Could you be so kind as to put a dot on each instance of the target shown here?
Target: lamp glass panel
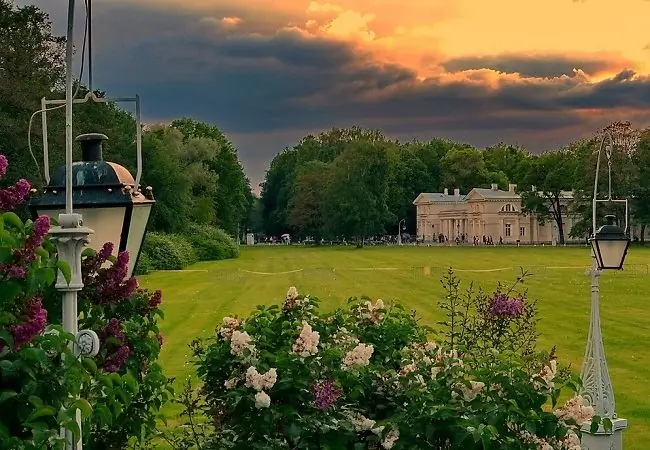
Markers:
(611, 253)
(106, 224)
(137, 229)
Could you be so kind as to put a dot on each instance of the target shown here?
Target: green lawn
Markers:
(195, 300)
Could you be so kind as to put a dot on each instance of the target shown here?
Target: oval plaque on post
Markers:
(87, 343)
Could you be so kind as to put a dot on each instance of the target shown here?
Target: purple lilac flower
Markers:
(108, 285)
(4, 163)
(13, 196)
(325, 394)
(155, 300)
(503, 306)
(34, 324)
(117, 360)
(113, 329)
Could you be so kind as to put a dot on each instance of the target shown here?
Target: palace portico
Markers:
(484, 212)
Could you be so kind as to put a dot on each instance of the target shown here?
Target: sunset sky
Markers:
(266, 72)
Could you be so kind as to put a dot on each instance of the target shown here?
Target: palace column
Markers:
(502, 230)
(517, 231)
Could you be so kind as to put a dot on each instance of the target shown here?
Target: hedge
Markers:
(211, 243)
(168, 251)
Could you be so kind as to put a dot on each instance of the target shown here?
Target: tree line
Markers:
(193, 168)
(355, 183)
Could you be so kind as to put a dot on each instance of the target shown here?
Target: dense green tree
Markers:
(31, 67)
(231, 198)
(641, 194)
(464, 168)
(307, 203)
(431, 154)
(550, 174)
(183, 185)
(513, 162)
(407, 178)
(355, 200)
(276, 192)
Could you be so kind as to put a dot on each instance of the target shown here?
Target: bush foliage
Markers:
(43, 384)
(211, 243)
(168, 251)
(368, 376)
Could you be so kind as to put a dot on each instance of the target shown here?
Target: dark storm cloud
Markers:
(543, 66)
(252, 80)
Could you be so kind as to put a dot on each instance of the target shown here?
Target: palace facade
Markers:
(485, 214)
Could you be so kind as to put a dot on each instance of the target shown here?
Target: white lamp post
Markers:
(106, 193)
(609, 246)
(399, 231)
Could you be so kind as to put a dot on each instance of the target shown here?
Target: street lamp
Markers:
(400, 227)
(104, 193)
(609, 245)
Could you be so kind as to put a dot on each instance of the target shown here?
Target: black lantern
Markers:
(104, 193)
(610, 245)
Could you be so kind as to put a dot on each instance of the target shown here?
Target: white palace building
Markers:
(484, 214)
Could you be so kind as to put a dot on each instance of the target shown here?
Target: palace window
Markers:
(509, 208)
(522, 231)
(507, 230)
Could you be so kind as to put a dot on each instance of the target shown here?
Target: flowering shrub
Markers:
(42, 382)
(125, 318)
(39, 375)
(368, 376)
(476, 321)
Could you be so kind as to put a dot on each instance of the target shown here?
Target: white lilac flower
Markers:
(389, 440)
(307, 342)
(262, 400)
(259, 381)
(575, 409)
(360, 422)
(239, 341)
(231, 383)
(358, 356)
(228, 326)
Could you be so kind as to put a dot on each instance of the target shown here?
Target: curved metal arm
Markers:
(91, 96)
(607, 135)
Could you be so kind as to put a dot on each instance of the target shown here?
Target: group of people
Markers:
(463, 238)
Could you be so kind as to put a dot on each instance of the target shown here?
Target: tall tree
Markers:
(307, 203)
(183, 185)
(512, 161)
(31, 67)
(276, 192)
(231, 199)
(355, 201)
(550, 174)
(407, 178)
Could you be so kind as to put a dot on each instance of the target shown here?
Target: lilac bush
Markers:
(39, 375)
(368, 376)
(42, 382)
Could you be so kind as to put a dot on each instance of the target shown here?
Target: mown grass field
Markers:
(195, 300)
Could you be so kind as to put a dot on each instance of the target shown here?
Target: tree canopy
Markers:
(192, 166)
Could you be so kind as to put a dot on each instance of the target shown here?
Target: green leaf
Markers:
(42, 411)
(6, 395)
(130, 382)
(72, 426)
(88, 253)
(12, 219)
(40, 251)
(89, 364)
(65, 270)
(595, 424)
(83, 405)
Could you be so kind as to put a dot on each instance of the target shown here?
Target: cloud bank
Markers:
(268, 76)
